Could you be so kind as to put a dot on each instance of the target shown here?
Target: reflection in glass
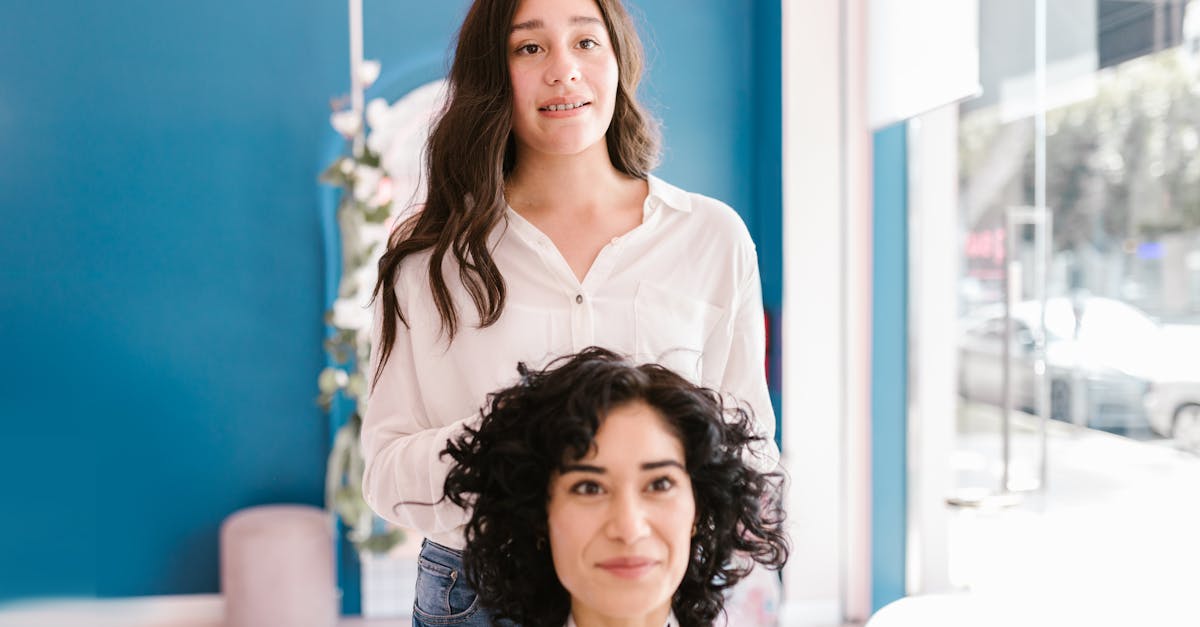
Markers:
(1117, 342)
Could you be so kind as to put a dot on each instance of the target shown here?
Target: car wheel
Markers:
(1060, 401)
(1186, 427)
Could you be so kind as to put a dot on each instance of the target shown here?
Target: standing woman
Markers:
(543, 233)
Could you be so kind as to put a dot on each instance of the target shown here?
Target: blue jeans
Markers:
(444, 597)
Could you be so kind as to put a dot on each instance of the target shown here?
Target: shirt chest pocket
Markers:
(671, 329)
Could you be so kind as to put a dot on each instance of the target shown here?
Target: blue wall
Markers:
(161, 280)
(161, 259)
(889, 366)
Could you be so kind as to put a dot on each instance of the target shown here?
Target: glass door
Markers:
(1075, 457)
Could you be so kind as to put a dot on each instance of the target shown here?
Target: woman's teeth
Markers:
(564, 107)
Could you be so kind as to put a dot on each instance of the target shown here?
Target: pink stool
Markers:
(277, 567)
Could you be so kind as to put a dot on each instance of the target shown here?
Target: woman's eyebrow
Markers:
(527, 25)
(600, 470)
(535, 24)
(663, 464)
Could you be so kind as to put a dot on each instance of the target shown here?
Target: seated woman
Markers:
(604, 493)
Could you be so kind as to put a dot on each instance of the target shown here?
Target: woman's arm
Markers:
(404, 472)
(738, 352)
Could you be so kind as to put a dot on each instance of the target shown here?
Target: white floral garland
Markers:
(381, 173)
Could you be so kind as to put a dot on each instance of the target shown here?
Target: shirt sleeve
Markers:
(404, 472)
(738, 354)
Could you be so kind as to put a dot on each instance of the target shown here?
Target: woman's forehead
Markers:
(634, 433)
(539, 14)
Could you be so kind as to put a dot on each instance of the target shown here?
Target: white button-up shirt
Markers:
(681, 289)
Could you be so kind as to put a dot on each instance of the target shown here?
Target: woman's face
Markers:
(564, 76)
(621, 518)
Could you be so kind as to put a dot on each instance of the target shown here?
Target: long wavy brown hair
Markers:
(470, 154)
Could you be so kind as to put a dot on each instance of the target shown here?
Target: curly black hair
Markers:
(531, 430)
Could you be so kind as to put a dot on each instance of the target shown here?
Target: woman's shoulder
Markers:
(705, 213)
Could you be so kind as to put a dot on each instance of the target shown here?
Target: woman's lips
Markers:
(628, 567)
(566, 113)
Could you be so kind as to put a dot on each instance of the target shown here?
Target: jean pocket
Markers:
(443, 595)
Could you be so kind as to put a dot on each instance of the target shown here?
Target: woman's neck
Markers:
(565, 183)
(585, 617)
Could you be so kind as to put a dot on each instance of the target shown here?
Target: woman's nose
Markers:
(563, 68)
(627, 520)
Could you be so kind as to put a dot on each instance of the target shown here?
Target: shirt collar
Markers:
(669, 195)
(661, 194)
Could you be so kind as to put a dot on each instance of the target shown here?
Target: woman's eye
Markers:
(586, 488)
(662, 484)
(588, 44)
(528, 49)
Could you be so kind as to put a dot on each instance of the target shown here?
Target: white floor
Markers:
(1115, 534)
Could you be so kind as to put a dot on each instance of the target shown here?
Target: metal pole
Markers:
(1015, 219)
(1006, 357)
(1045, 244)
(1042, 239)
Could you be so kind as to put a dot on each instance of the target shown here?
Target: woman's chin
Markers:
(622, 605)
(569, 146)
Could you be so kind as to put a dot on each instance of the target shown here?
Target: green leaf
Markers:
(349, 505)
(378, 215)
(332, 379)
(382, 542)
(357, 386)
(369, 158)
(333, 175)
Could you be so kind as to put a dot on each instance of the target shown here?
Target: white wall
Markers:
(826, 325)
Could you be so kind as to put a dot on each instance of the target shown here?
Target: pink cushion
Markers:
(277, 567)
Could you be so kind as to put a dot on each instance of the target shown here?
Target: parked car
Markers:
(1130, 371)
(1173, 401)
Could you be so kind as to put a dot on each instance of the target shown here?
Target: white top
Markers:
(682, 289)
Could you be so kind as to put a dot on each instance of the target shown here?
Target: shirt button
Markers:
(579, 299)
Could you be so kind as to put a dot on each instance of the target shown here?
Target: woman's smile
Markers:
(564, 107)
(628, 567)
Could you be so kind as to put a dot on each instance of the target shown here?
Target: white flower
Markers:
(383, 193)
(363, 279)
(368, 71)
(332, 379)
(348, 313)
(377, 111)
(347, 123)
(366, 182)
(385, 121)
